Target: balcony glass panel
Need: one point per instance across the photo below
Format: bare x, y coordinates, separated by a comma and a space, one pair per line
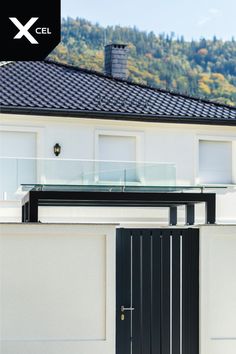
15, 172
18, 175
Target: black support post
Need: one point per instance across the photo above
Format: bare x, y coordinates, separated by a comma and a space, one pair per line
190, 214
173, 215
211, 209
23, 219
33, 207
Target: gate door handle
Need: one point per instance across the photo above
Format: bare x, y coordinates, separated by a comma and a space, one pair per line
123, 309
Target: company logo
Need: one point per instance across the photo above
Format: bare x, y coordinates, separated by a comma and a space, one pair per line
29, 30
24, 30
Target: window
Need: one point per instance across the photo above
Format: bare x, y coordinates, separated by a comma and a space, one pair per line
120, 154
17, 162
215, 161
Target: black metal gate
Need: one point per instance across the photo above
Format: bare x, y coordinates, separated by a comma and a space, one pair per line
157, 282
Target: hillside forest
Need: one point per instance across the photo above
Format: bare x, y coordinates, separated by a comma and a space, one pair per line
204, 68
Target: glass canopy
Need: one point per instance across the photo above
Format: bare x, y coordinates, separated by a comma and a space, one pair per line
120, 188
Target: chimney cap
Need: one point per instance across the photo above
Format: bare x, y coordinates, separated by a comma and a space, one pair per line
117, 45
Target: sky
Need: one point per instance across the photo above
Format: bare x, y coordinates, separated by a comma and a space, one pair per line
190, 18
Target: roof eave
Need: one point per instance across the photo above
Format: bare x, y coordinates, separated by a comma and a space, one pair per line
116, 116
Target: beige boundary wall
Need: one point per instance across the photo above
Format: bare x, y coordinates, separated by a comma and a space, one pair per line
57, 289
218, 289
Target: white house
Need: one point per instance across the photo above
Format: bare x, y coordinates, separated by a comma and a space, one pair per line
70, 129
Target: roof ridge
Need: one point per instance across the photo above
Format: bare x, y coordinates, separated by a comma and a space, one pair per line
129, 82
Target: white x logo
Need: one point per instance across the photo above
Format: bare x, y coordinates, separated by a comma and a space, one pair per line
24, 29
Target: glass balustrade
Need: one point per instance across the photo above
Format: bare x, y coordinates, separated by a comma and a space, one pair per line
18, 173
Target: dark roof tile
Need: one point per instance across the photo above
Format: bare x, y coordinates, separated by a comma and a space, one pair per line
53, 86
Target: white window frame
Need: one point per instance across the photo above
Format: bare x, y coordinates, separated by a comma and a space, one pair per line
216, 138
39, 132
139, 138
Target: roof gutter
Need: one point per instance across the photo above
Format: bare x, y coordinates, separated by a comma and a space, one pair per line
116, 116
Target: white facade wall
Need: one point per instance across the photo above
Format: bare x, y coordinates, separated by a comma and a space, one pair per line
161, 143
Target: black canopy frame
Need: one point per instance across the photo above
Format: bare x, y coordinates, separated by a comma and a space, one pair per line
171, 200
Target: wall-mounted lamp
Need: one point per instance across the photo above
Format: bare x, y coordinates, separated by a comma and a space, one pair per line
57, 149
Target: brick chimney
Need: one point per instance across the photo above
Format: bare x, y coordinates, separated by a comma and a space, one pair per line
116, 57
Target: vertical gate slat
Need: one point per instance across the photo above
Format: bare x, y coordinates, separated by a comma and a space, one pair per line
191, 291
146, 289
136, 293
176, 291
165, 299
156, 295
123, 290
